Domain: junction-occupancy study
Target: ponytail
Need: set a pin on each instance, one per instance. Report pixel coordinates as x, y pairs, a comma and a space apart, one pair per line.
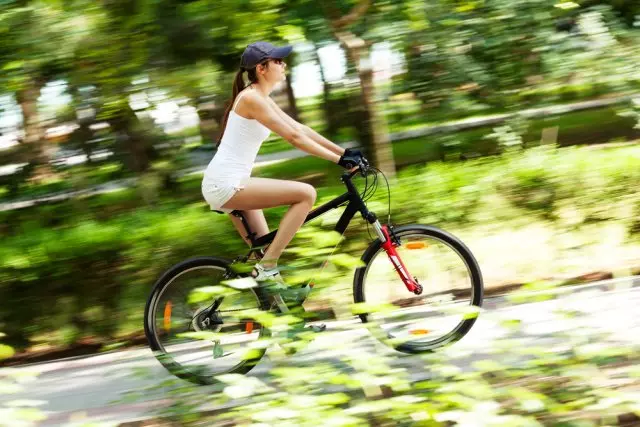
238, 85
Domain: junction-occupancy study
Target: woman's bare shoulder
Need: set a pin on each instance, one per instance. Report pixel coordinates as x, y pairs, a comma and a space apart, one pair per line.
250, 101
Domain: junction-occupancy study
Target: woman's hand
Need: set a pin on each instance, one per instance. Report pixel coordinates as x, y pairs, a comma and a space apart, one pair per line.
349, 161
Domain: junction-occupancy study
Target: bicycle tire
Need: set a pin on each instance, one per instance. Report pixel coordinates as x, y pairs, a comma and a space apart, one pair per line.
454, 243
150, 321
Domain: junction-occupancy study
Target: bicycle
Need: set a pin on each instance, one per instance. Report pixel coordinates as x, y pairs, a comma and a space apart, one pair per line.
193, 342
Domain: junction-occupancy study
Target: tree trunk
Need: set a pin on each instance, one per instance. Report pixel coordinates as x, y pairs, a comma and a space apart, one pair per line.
377, 145
131, 141
291, 99
84, 136
210, 117
34, 137
85, 117
331, 128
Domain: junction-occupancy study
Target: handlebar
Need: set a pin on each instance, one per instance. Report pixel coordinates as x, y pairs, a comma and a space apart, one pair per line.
362, 168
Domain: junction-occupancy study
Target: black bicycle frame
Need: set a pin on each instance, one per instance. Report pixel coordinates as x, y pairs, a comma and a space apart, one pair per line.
354, 202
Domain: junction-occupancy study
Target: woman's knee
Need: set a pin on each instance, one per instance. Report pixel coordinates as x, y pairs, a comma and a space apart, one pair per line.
304, 193
309, 194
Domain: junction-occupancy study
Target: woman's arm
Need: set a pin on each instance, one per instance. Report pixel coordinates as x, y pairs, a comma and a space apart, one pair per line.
261, 110
315, 136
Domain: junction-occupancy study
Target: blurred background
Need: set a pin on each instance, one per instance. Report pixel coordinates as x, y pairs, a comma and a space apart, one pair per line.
513, 125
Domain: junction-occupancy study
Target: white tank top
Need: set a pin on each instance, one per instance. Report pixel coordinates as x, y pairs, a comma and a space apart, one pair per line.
238, 149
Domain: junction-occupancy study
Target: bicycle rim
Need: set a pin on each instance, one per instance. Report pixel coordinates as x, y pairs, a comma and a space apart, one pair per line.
196, 341
442, 313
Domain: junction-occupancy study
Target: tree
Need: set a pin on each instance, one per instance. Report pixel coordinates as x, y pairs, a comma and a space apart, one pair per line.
377, 144
36, 41
199, 46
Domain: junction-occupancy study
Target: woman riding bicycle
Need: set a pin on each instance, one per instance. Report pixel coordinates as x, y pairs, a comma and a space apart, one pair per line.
202, 323
249, 119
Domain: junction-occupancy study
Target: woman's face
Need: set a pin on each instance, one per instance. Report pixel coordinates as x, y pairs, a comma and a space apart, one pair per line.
275, 72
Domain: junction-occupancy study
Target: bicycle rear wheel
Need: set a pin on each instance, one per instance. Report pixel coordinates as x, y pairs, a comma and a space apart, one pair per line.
443, 313
199, 328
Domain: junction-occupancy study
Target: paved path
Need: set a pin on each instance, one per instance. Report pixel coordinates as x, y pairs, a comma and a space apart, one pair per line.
83, 389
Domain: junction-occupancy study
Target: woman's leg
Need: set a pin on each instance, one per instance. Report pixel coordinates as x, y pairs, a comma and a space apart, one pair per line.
257, 224
260, 193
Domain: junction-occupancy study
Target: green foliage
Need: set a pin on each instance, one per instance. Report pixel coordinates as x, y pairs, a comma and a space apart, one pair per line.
567, 378
5, 351
509, 136
98, 262
499, 52
464, 57
98, 255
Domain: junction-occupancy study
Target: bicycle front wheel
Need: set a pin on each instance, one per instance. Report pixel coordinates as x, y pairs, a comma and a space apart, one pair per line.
200, 328
444, 311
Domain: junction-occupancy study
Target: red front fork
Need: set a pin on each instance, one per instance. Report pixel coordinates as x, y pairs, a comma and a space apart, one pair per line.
390, 249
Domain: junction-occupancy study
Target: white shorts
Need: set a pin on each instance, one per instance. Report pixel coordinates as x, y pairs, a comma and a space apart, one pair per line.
218, 193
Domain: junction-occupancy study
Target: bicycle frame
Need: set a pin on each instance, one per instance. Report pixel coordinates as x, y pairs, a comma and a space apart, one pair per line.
355, 204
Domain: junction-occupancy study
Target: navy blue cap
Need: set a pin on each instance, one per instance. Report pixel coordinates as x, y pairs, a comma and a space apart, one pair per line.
257, 52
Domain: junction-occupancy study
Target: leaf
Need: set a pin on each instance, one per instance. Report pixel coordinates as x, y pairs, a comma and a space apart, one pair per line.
348, 261
6, 351
487, 365
13, 65
218, 351
241, 284
324, 239
291, 33
365, 308
567, 5
206, 293
334, 399
471, 312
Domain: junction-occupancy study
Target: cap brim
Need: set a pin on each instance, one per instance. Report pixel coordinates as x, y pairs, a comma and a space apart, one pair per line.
281, 52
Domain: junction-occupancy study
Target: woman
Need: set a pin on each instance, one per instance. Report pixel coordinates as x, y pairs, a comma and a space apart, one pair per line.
248, 121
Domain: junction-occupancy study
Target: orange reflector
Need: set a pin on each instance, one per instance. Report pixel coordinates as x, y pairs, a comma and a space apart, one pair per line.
419, 331
248, 327
415, 245
167, 316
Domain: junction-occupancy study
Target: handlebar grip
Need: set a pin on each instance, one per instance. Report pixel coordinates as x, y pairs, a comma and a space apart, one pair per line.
363, 167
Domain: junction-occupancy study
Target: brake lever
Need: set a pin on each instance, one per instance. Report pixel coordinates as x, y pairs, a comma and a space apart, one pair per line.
362, 167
